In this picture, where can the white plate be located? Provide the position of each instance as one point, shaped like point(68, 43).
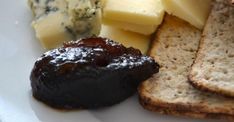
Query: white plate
point(18, 51)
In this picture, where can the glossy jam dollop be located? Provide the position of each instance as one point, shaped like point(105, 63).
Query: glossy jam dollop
point(89, 73)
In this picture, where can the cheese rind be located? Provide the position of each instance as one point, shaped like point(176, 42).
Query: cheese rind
point(143, 12)
point(127, 38)
point(142, 29)
point(193, 11)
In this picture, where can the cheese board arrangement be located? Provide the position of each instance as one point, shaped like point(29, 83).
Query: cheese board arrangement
point(109, 60)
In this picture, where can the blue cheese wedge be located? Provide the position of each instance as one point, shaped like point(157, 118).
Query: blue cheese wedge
point(41, 8)
point(193, 11)
point(57, 21)
point(53, 30)
point(85, 16)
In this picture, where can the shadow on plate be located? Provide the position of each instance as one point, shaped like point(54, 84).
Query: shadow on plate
point(131, 111)
point(47, 114)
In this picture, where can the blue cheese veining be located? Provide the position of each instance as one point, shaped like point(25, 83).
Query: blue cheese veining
point(57, 21)
point(42, 8)
point(85, 16)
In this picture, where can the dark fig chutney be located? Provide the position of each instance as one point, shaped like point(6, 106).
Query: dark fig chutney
point(89, 73)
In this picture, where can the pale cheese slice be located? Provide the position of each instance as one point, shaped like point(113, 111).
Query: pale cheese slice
point(141, 12)
point(193, 11)
point(129, 39)
point(142, 29)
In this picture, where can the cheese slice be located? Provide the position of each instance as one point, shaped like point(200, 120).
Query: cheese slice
point(52, 30)
point(193, 11)
point(129, 39)
point(142, 12)
point(142, 29)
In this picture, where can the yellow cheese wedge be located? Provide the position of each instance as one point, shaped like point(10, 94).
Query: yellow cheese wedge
point(129, 39)
point(193, 11)
point(51, 31)
point(142, 29)
point(142, 12)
